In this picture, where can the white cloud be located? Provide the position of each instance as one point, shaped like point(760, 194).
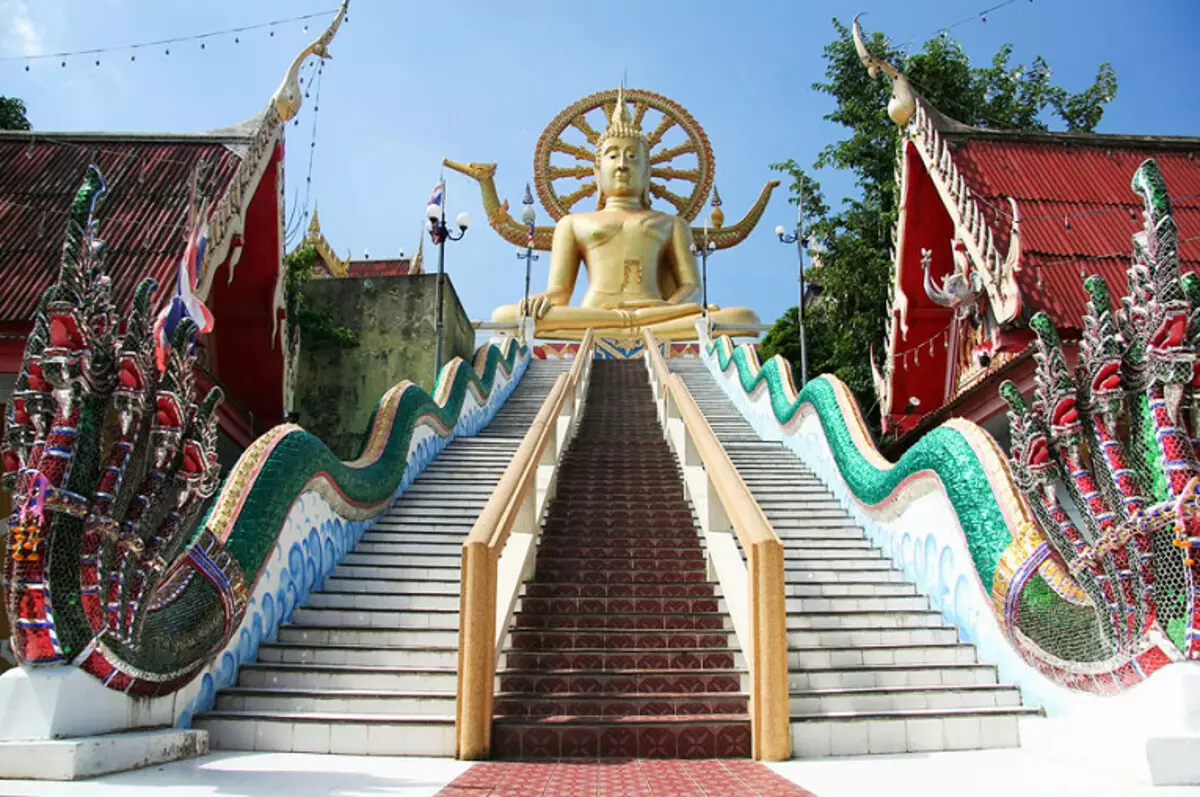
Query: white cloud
point(23, 36)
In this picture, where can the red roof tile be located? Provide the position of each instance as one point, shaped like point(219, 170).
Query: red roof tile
point(1084, 178)
point(142, 218)
point(395, 267)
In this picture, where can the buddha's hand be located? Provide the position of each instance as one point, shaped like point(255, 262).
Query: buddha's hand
point(537, 305)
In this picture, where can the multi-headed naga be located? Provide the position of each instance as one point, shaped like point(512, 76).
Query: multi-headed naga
point(1108, 456)
point(111, 459)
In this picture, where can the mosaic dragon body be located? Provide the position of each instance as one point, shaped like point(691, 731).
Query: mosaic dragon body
point(1091, 584)
point(112, 464)
point(1118, 436)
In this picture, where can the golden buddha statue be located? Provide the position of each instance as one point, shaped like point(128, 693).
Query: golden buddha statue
point(641, 268)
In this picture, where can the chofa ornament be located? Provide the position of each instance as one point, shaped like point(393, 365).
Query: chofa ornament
point(111, 462)
point(1109, 456)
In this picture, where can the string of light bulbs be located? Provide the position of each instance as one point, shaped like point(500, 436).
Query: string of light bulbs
point(95, 52)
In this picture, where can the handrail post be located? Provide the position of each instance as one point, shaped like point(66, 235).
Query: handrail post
point(771, 731)
point(476, 635)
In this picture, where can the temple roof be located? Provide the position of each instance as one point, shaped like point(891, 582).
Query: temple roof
point(382, 267)
point(1076, 207)
point(143, 216)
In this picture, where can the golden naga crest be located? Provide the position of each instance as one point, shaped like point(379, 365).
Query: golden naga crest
point(680, 158)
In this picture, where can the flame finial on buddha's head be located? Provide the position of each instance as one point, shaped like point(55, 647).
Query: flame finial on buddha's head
point(621, 124)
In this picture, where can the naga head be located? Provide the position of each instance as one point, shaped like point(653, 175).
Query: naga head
point(1029, 451)
point(1101, 350)
point(78, 307)
point(1056, 396)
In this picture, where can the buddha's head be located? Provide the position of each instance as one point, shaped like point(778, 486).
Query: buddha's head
point(622, 154)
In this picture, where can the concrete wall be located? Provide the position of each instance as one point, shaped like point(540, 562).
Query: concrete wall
point(337, 389)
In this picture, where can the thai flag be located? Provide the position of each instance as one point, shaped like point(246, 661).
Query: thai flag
point(529, 240)
point(185, 303)
point(439, 194)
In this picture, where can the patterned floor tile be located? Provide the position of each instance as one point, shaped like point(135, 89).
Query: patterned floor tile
point(622, 778)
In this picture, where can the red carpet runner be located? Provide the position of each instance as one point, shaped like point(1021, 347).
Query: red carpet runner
point(638, 778)
point(619, 650)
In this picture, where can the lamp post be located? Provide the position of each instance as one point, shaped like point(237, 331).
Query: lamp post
point(797, 238)
point(439, 233)
point(528, 216)
point(702, 250)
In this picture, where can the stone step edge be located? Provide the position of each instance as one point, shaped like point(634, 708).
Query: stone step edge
point(877, 647)
point(631, 671)
point(613, 696)
point(892, 668)
point(349, 668)
point(630, 719)
point(292, 691)
point(315, 717)
point(863, 691)
point(920, 713)
point(352, 646)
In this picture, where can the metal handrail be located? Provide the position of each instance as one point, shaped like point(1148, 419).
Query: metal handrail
point(766, 648)
point(514, 498)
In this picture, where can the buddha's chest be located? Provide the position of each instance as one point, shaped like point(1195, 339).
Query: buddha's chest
point(642, 235)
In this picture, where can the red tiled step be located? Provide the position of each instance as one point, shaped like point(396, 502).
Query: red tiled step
point(621, 682)
point(644, 737)
point(623, 604)
point(625, 639)
point(519, 705)
point(663, 658)
point(647, 621)
point(700, 589)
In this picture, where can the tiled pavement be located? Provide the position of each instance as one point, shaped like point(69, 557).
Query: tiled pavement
point(622, 778)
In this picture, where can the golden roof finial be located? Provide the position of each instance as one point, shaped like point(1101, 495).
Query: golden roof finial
point(620, 123)
point(314, 225)
point(903, 103)
point(288, 96)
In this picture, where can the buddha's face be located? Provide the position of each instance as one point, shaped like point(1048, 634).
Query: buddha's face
point(621, 168)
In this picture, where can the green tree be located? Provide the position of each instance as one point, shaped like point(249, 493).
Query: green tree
point(12, 114)
point(854, 270)
point(312, 325)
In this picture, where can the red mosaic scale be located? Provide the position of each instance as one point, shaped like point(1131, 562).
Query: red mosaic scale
point(619, 649)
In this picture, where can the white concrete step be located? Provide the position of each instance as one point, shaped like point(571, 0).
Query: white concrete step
point(840, 701)
point(887, 675)
point(372, 568)
point(848, 620)
point(416, 638)
point(863, 636)
point(910, 731)
point(327, 599)
point(359, 655)
point(871, 655)
point(374, 586)
point(416, 561)
point(365, 618)
point(344, 676)
point(336, 701)
point(342, 734)
point(851, 590)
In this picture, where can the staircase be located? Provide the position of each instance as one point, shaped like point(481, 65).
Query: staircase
point(619, 648)
point(369, 666)
point(873, 669)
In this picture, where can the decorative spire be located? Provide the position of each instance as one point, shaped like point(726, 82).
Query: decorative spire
point(288, 96)
point(717, 217)
point(903, 103)
point(621, 123)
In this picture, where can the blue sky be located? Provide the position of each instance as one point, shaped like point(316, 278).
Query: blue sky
point(412, 83)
